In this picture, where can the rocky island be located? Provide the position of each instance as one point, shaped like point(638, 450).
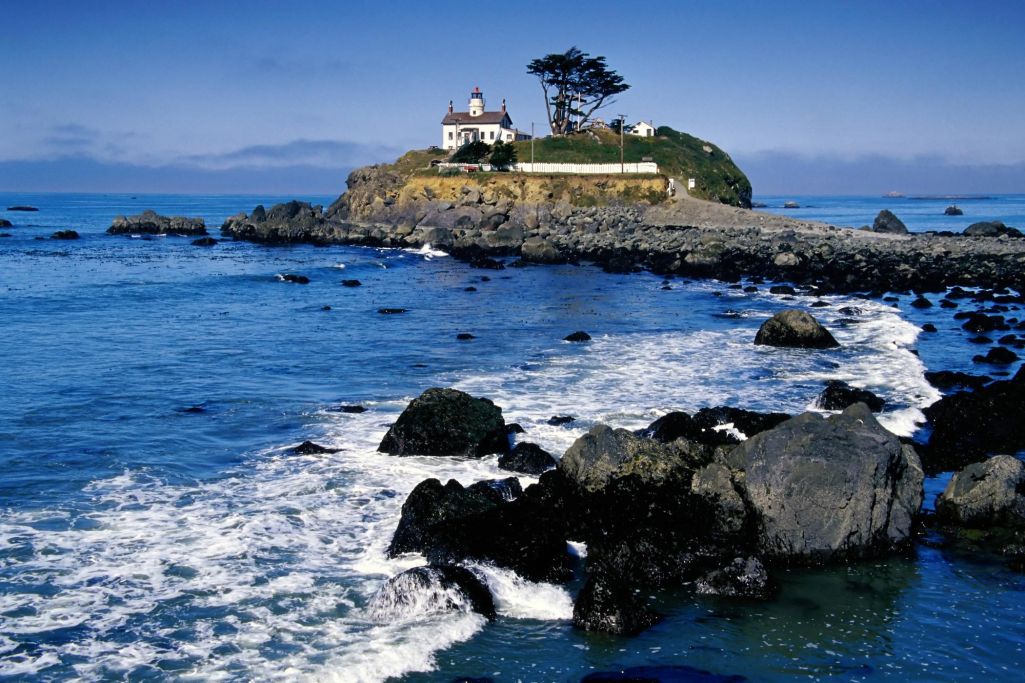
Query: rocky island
point(627, 222)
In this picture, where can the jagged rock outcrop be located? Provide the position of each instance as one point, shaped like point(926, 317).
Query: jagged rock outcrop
point(887, 222)
point(151, 223)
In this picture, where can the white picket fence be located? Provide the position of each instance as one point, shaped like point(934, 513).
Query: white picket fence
point(642, 167)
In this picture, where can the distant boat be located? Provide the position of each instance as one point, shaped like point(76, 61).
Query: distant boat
point(894, 195)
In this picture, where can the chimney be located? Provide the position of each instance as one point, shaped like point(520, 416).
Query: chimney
point(450, 106)
point(503, 105)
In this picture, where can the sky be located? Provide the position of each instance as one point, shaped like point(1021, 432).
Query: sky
point(826, 97)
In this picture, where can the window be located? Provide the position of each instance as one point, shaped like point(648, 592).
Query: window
point(492, 135)
point(508, 136)
point(450, 135)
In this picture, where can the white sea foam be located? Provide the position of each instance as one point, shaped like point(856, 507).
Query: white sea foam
point(282, 555)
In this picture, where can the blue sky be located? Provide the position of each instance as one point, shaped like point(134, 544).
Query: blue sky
point(287, 96)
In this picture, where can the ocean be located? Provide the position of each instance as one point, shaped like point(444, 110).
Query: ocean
point(154, 524)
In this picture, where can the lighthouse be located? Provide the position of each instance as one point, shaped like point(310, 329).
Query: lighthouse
point(476, 102)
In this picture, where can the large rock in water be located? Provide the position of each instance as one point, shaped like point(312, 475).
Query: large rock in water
point(607, 605)
point(712, 426)
point(830, 488)
point(527, 458)
point(986, 494)
point(888, 223)
point(605, 454)
point(430, 503)
point(969, 425)
point(794, 328)
point(151, 223)
point(447, 422)
point(839, 395)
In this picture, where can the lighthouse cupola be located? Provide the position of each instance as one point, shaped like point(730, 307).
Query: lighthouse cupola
point(476, 102)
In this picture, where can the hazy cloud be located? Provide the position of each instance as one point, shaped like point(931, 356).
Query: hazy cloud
point(784, 172)
point(315, 153)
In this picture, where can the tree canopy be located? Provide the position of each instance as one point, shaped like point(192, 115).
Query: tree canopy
point(471, 152)
point(502, 156)
point(575, 85)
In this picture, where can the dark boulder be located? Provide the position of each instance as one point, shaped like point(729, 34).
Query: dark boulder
point(430, 504)
point(297, 279)
point(744, 577)
point(577, 337)
point(351, 283)
point(310, 448)
point(921, 302)
point(447, 422)
point(991, 229)
point(21, 207)
point(953, 210)
point(422, 591)
point(672, 673)
point(997, 355)
point(150, 223)
point(607, 605)
point(929, 327)
point(968, 426)
point(949, 379)
point(204, 242)
point(527, 458)
point(4, 223)
point(980, 322)
point(351, 409)
point(794, 328)
point(707, 426)
point(782, 289)
point(65, 235)
point(985, 495)
point(886, 222)
point(465, 336)
point(839, 395)
point(830, 488)
point(560, 420)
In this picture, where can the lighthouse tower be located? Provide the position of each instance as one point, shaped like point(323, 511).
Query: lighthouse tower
point(476, 102)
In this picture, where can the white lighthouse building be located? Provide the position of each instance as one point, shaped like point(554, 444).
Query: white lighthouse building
point(461, 127)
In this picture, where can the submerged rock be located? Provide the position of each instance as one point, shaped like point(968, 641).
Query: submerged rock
point(22, 207)
point(997, 355)
point(527, 458)
point(830, 488)
point(794, 328)
point(839, 395)
point(673, 673)
point(577, 337)
point(744, 577)
point(953, 210)
point(4, 223)
point(608, 606)
point(310, 448)
point(948, 379)
point(297, 279)
point(204, 242)
point(65, 235)
point(422, 591)
point(150, 223)
point(447, 422)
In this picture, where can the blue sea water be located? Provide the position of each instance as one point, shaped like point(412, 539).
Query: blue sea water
point(154, 525)
point(918, 212)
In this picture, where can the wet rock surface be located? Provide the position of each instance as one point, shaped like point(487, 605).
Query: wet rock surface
point(447, 422)
point(794, 328)
point(151, 223)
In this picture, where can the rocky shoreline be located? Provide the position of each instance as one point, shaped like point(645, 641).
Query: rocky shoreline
point(689, 238)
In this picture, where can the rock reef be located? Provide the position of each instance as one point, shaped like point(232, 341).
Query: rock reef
point(151, 223)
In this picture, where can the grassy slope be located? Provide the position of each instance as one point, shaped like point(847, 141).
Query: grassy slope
point(677, 154)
